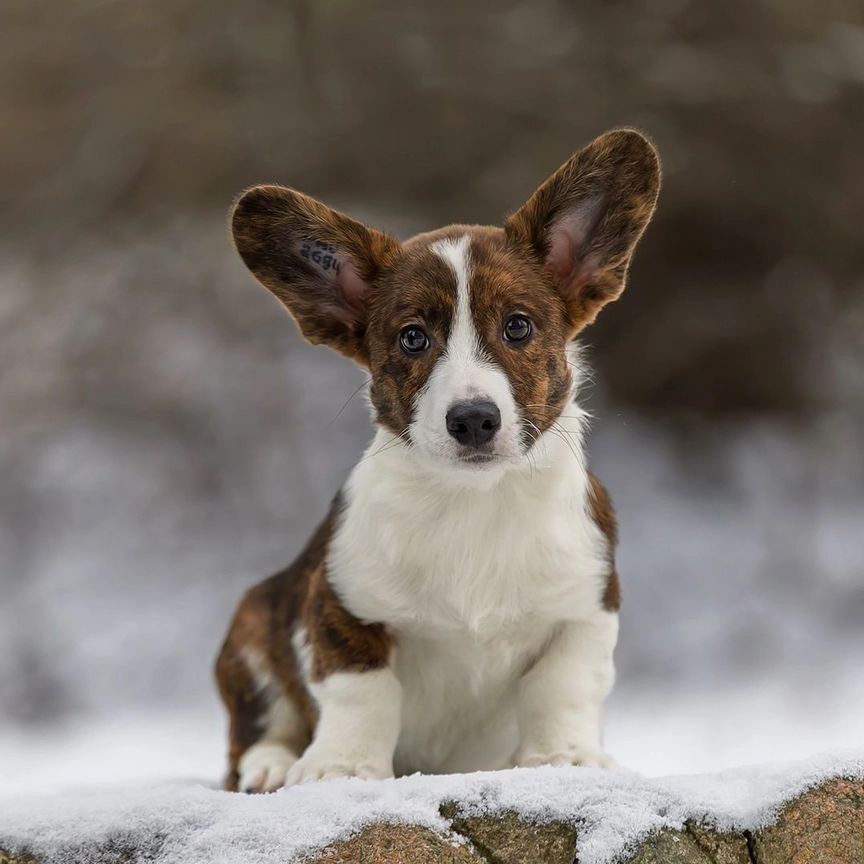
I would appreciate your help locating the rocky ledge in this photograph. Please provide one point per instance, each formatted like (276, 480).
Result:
(806, 813)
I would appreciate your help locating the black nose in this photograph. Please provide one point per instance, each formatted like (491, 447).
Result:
(473, 423)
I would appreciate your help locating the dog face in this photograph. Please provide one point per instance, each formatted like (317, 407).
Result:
(465, 330)
(468, 348)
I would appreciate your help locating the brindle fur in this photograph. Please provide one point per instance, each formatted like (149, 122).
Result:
(408, 283)
(265, 618)
(603, 514)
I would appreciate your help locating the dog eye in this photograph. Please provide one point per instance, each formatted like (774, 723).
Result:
(413, 340)
(517, 328)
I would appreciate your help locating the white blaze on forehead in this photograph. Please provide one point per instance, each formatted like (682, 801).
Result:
(464, 371)
(455, 252)
(462, 344)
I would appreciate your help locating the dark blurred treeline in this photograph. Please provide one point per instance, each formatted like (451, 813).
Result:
(428, 113)
(165, 437)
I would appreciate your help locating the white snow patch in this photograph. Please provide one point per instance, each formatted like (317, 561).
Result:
(675, 729)
(128, 748)
(653, 730)
(197, 825)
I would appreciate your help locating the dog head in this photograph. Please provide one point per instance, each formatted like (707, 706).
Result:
(464, 330)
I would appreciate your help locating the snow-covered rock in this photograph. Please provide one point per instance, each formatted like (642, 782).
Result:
(765, 813)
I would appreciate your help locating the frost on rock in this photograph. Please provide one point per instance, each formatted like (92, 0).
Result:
(541, 814)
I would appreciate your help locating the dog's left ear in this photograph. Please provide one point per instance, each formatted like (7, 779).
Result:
(584, 222)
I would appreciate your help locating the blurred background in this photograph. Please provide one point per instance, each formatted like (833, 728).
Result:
(166, 438)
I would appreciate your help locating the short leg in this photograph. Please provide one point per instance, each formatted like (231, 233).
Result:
(245, 705)
(266, 730)
(267, 727)
(264, 766)
(560, 697)
(358, 727)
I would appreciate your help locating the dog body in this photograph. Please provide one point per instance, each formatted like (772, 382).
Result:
(400, 555)
(457, 609)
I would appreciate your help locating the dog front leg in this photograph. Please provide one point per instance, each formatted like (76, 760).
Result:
(561, 696)
(347, 666)
(358, 727)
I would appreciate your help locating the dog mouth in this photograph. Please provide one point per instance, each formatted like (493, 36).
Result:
(478, 459)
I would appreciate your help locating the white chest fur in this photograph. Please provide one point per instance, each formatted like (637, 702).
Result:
(473, 581)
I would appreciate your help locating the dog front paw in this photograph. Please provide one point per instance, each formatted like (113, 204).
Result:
(582, 756)
(320, 764)
(263, 767)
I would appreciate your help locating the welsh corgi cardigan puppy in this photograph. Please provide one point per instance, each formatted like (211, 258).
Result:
(457, 609)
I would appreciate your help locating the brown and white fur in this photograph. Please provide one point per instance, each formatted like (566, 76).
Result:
(457, 608)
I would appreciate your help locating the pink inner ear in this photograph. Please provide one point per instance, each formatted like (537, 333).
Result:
(561, 258)
(567, 239)
(355, 291)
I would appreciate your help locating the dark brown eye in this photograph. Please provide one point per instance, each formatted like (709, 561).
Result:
(517, 329)
(413, 340)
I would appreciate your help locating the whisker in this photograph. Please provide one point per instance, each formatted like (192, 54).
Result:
(529, 453)
(532, 463)
(561, 433)
(539, 432)
(548, 405)
(345, 403)
(567, 438)
(388, 445)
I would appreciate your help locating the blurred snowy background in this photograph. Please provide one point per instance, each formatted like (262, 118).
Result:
(166, 439)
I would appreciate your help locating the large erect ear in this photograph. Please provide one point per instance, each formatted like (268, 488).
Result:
(319, 263)
(584, 222)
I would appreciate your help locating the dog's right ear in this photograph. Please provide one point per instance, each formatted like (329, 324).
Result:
(318, 262)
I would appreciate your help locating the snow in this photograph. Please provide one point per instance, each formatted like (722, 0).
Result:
(655, 730)
(194, 824)
(128, 534)
(659, 730)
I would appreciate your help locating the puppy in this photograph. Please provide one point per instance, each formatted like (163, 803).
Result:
(457, 609)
